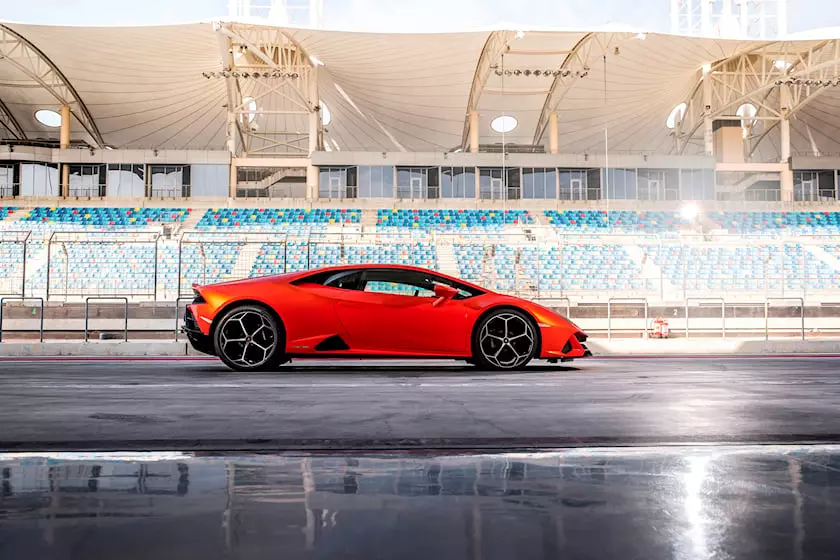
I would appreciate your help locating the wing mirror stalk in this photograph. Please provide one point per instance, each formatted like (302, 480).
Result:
(443, 294)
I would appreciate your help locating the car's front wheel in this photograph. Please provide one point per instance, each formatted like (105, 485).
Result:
(249, 338)
(505, 339)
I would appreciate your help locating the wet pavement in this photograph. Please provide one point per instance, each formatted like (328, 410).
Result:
(628, 503)
(187, 405)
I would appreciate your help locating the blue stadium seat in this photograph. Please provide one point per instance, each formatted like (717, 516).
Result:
(245, 219)
(743, 268)
(450, 219)
(581, 267)
(105, 217)
(773, 222)
(618, 220)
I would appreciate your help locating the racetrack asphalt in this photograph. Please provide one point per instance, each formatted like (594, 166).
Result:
(199, 404)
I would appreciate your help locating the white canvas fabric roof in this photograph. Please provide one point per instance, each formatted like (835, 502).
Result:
(144, 89)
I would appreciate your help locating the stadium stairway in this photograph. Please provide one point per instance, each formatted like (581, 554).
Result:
(245, 261)
(650, 272)
(36, 264)
(368, 220)
(192, 221)
(447, 261)
(829, 260)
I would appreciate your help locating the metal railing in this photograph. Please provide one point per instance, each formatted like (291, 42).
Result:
(22, 299)
(106, 298)
(633, 314)
(626, 300)
(701, 300)
(538, 264)
(61, 250)
(15, 273)
(178, 308)
(767, 303)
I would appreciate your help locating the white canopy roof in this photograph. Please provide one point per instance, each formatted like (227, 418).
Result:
(143, 88)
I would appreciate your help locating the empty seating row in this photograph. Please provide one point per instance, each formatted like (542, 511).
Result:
(267, 218)
(736, 222)
(276, 258)
(758, 267)
(618, 220)
(570, 267)
(446, 219)
(105, 217)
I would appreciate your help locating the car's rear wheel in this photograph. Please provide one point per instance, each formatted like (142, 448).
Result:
(505, 339)
(249, 338)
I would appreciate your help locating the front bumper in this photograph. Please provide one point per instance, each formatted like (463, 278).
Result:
(572, 347)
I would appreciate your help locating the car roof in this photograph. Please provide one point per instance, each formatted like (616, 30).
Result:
(338, 268)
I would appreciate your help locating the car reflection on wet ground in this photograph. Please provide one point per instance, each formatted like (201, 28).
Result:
(675, 502)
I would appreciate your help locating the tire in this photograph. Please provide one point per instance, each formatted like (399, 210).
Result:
(505, 339)
(250, 338)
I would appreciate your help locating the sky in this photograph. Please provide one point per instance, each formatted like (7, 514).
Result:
(400, 15)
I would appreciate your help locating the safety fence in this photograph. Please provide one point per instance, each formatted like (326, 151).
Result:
(116, 318)
(151, 266)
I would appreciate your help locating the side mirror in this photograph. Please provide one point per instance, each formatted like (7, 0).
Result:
(443, 293)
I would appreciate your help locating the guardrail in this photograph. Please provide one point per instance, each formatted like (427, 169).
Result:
(3, 301)
(625, 300)
(700, 300)
(178, 312)
(737, 318)
(106, 298)
(767, 314)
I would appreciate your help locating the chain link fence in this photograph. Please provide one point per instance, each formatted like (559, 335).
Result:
(531, 263)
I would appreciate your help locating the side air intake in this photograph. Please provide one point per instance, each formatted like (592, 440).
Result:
(331, 344)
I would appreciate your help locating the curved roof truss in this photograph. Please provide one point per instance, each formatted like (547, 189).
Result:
(280, 101)
(575, 66)
(494, 47)
(752, 75)
(29, 59)
(8, 121)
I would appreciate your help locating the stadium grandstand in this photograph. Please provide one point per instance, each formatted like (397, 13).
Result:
(558, 165)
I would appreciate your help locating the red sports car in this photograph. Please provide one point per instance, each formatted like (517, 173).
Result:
(373, 311)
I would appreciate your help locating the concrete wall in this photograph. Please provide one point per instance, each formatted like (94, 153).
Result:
(39, 180)
(600, 348)
(210, 180)
(124, 184)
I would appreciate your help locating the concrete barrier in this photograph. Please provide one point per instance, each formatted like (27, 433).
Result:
(114, 349)
(599, 347)
(699, 347)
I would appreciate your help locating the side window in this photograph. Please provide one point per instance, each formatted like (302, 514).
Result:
(345, 280)
(397, 288)
(410, 283)
(399, 282)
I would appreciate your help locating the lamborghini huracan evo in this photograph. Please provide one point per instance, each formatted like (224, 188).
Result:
(373, 311)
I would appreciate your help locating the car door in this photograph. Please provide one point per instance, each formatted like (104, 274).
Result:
(393, 312)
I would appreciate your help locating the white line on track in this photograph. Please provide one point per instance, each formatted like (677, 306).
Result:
(479, 384)
(83, 386)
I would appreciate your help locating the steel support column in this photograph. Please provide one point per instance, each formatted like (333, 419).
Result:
(708, 123)
(553, 133)
(786, 178)
(474, 132)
